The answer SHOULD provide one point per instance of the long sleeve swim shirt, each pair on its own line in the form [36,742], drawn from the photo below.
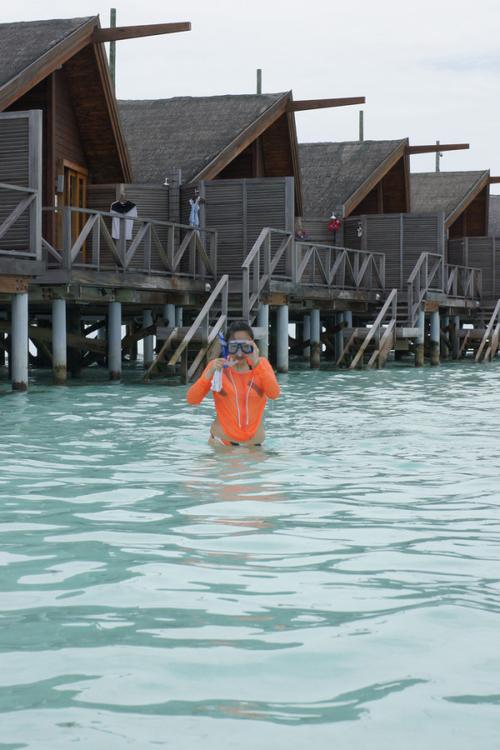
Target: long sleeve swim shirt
[241,402]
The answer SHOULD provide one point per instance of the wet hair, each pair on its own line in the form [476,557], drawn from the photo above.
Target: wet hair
[238,325]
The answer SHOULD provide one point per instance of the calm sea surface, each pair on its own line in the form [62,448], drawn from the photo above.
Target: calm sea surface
[338,589]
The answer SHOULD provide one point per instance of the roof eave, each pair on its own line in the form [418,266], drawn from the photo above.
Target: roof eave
[114,114]
[47,63]
[375,177]
[474,191]
[242,140]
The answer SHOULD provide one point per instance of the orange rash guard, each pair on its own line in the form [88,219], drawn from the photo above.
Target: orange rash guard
[240,404]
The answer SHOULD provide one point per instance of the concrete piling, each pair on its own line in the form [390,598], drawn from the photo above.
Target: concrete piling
[115,340]
[147,320]
[59,343]
[282,338]
[19,342]
[419,347]
[435,338]
[315,356]
[263,322]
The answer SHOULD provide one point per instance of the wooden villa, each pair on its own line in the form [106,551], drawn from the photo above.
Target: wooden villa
[72,270]
[60,138]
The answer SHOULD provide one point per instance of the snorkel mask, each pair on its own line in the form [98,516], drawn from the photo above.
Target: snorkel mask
[244,346]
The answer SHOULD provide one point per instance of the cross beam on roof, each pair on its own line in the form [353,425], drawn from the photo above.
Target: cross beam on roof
[494,180]
[434,148]
[133,32]
[305,104]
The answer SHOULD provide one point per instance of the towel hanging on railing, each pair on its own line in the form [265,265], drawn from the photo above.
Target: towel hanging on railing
[122,209]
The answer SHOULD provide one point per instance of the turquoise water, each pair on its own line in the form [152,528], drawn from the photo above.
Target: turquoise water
[339,588]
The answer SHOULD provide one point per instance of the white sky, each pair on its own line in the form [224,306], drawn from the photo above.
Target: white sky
[429,70]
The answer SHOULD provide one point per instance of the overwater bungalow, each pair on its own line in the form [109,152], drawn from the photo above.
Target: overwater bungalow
[60,138]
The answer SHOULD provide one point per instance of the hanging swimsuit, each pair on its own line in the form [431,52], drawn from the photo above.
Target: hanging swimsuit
[241,401]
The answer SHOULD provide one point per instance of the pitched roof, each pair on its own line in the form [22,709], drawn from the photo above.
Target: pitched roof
[445,191]
[22,43]
[332,173]
[186,132]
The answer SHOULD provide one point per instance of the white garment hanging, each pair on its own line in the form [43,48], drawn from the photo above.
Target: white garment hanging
[123,219]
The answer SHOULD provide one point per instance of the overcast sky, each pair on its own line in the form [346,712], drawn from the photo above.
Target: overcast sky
[429,70]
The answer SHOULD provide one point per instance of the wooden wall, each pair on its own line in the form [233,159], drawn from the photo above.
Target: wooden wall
[402,237]
[473,222]
[479,252]
[68,141]
[239,210]
[389,195]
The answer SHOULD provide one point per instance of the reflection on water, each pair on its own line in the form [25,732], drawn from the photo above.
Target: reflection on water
[157,592]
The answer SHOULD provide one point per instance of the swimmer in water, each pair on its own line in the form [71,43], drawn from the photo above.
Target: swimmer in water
[247,381]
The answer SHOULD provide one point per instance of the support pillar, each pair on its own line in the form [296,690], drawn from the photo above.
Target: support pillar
[19,342]
[307,336]
[282,338]
[348,318]
[59,342]
[169,315]
[148,341]
[74,355]
[179,317]
[339,336]
[115,340]
[445,351]
[263,322]
[435,338]
[315,340]
[455,338]
[419,348]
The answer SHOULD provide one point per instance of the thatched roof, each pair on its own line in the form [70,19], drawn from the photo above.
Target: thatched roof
[494,214]
[22,43]
[445,191]
[332,173]
[186,132]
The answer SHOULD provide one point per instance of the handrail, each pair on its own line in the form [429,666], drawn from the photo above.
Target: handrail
[166,256]
[391,302]
[308,263]
[19,188]
[340,267]
[254,280]
[420,280]
[202,321]
[495,316]
[463,281]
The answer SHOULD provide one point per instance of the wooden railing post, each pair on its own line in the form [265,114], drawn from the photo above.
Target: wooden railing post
[66,230]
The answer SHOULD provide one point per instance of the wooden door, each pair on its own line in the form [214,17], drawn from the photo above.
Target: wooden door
[74,195]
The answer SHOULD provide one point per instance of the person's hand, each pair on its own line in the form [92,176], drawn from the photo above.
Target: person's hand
[215,364]
[254,356]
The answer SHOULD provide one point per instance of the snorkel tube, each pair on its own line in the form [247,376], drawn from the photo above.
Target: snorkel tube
[217,376]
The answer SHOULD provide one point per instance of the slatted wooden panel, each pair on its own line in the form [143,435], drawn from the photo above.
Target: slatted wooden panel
[456,253]
[480,253]
[422,233]
[14,169]
[239,210]
[401,237]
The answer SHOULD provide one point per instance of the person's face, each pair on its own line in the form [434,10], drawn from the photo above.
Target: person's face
[240,345]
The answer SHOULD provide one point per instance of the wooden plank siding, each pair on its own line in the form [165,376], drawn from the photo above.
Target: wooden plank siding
[401,237]
[473,221]
[239,210]
[479,252]
[68,142]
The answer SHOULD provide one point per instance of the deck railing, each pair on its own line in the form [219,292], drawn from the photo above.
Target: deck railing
[29,201]
[277,255]
[325,265]
[428,274]
[463,281]
[261,264]
[158,247]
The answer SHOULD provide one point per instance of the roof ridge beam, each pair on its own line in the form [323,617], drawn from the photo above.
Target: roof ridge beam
[434,148]
[494,180]
[117,33]
[307,104]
